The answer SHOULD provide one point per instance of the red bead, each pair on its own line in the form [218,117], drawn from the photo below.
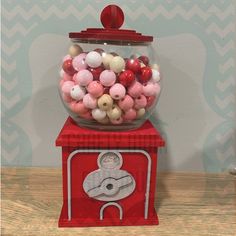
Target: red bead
[150,101]
[96,72]
[144,60]
[68,67]
[133,65]
[145,74]
[126,78]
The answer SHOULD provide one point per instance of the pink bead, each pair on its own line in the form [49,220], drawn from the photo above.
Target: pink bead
[107,78]
[150,89]
[126,103]
[95,89]
[84,77]
[67,77]
[67,86]
[61,83]
[117,121]
[87,115]
[157,88]
[66,98]
[89,101]
[135,89]
[79,62]
[117,91]
[130,115]
[140,102]
[78,107]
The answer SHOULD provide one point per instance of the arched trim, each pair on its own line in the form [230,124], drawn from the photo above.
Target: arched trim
[111,204]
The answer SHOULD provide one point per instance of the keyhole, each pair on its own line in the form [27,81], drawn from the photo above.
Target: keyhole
[109,186]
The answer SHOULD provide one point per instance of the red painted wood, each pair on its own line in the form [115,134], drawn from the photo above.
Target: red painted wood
[85,210]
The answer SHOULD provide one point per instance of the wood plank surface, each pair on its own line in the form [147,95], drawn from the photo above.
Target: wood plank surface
[188,205]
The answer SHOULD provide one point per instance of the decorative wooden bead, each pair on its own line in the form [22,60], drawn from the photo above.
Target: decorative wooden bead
[126,78]
[105,102]
[107,78]
[130,115]
[140,113]
[140,102]
[117,121]
[134,65]
[93,59]
[106,59]
[95,89]
[144,60]
[78,107]
[98,114]
[126,103]
[67,86]
[77,92]
[75,50]
[145,74]
[117,64]
[68,67]
[156,75]
[114,113]
[104,121]
[84,77]
[117,91]
[79,62]
[89,101]
[135,89]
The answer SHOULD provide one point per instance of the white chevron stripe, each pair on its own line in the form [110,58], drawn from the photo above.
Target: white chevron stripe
[227,65]
[221,32]
[134,14]
[229,100]
[10,155]
[17,28]
[9,50]
[230,45]
[53,10]
[8,67]
[222,85]
[9,138]
[10,102]
[9,84]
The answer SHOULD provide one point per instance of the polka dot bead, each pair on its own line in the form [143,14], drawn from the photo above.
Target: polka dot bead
[84,77]
[89,101]
[117,64]
[107,78]
[117,91]
[93,59]
[77,92]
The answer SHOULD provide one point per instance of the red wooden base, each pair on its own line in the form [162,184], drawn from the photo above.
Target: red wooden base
[88,222]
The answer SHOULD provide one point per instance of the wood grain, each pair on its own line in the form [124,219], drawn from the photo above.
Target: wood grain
[188,204]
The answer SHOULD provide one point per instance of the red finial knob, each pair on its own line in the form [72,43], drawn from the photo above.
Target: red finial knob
[112,17]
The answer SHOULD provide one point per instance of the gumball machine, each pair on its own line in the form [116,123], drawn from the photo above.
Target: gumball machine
[109,84]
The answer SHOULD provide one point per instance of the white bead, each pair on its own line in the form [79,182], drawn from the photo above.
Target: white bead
[77,92]
[98,114]
[155,75]
[93,59]
[106,59]
[117,64]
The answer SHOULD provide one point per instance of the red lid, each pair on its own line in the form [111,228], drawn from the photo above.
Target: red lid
[112,18]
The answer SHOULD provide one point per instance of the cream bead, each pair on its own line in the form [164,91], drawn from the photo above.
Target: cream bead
[140,113]
[155,66]
[114,113]
[117,64]
[106,59]
[104,121]
[105,102]
[98,114]
[75,50]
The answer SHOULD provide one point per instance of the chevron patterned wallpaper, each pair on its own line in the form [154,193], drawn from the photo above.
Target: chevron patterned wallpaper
[195,41]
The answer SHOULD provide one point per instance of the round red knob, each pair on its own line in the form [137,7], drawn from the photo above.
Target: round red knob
[112,17]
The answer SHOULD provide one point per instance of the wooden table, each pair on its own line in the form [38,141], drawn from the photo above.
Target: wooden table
[188,204]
